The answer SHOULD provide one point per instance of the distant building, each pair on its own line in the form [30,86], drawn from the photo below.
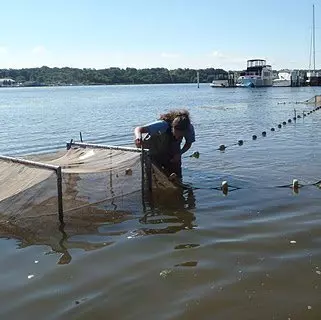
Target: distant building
[7,82]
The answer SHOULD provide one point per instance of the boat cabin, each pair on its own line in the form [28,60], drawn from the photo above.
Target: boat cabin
[255,67]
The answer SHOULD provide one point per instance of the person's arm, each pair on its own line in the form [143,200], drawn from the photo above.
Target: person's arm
[138,135]
[189,139]
[186,147]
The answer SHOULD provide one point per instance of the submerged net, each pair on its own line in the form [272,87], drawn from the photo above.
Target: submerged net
[316,100]
[92,179]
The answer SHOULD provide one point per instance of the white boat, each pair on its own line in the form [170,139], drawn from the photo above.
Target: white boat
[7,82]
[284,79]
[219,83]
[257,74]
[287,78]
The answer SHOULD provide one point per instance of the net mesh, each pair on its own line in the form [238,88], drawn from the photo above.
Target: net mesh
[91,178]
[316,100]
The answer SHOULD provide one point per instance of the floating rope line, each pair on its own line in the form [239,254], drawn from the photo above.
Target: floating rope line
[296,184]
[225,188]
[312,100]
[222,147]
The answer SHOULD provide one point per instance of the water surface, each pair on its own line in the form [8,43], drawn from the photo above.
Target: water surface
[253,253]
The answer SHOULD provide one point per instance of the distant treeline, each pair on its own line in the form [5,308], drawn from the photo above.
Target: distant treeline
[61,76]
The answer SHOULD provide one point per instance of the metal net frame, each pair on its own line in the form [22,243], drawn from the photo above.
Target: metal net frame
[92,168]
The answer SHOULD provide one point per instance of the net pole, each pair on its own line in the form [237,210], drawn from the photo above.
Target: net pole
[30,163]
[59,190]
[149,171]
[102,146]
[142,164]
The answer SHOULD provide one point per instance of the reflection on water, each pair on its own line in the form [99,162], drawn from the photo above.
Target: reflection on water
[65,257]
[169,211]
[81,227]
[94,227]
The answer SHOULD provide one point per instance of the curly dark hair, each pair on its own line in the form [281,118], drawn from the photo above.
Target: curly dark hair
[179,119]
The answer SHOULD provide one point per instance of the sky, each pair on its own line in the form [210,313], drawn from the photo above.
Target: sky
[171,34]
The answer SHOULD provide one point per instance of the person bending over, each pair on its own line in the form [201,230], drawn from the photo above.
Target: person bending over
[164,138]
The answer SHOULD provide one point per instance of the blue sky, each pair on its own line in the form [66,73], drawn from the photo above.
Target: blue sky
[163,33]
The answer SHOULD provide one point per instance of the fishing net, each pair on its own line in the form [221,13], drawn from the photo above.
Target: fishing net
[92,178]
[316,100]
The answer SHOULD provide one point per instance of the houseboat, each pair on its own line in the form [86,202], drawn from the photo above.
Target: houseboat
[257,74]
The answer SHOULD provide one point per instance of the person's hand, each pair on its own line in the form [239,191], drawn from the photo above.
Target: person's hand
[138,142]
[176,158]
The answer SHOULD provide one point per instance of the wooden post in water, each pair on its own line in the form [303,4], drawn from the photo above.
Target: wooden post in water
[198,79]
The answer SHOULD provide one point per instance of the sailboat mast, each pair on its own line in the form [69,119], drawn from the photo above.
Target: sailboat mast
[313,30]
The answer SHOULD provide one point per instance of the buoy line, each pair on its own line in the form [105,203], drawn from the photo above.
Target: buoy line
[225,187]
[222,147]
